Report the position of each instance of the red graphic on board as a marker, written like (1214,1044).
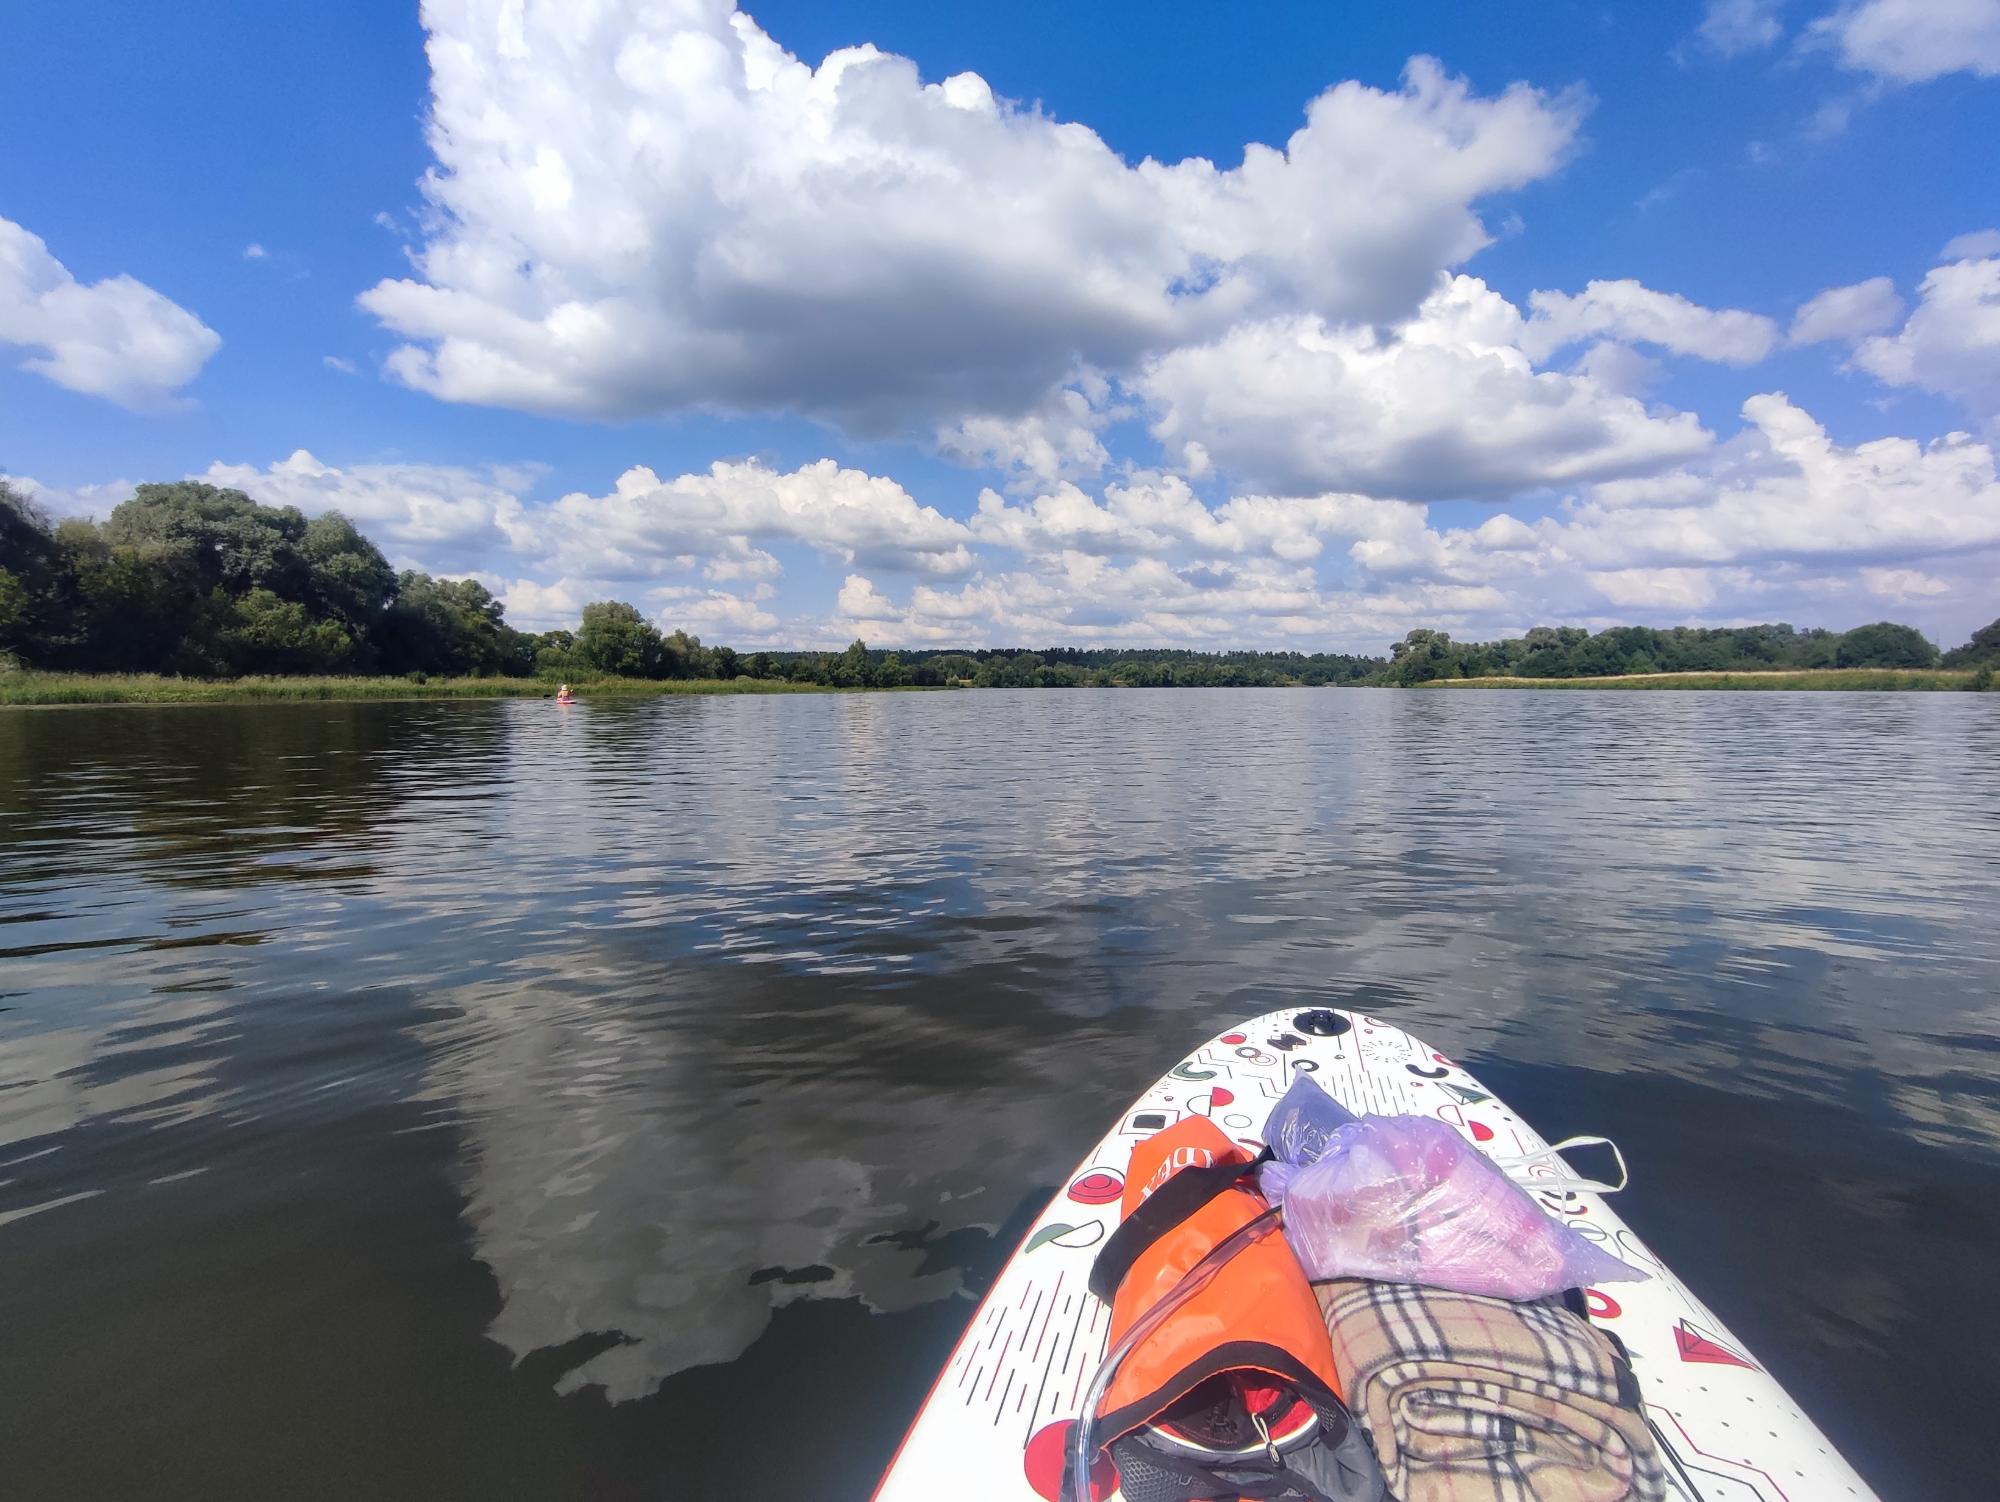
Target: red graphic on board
(1232,1037)
(1098,1187)
(1697,1345)
(1481,1132)
(1213,1101)
(1044,1459)
(1601,1304)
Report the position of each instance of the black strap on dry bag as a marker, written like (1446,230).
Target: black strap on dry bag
(1158,1213)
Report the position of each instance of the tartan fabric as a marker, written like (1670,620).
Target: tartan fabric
(1470,1399)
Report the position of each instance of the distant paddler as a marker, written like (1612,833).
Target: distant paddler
(564,696)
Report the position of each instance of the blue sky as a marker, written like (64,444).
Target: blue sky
(913,346)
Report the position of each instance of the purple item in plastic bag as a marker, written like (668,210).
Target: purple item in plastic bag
(1406,1199)
(1303,1123)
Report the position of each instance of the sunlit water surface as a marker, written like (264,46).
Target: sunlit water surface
(466,1100)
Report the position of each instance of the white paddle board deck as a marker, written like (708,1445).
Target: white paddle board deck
(992,1426)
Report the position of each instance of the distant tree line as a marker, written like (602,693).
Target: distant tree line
(1062,667)
(196,580)
(1571,652)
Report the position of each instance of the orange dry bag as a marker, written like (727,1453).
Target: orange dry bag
(1236,1388)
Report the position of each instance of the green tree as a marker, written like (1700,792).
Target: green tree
(122,614)
(1421,656)
(850,669)
(550,654)
(760,666)
(615,638)
(201,579)
(13,610)
(1008,670)
(1982,651)
(33,582)
(210,537)
(264,633)
(1885,645)
(685,657)
(348,579)
(1543,654)
(447,627)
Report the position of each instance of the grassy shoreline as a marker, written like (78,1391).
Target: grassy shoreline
(31,690)
(49,690)
(1867,679)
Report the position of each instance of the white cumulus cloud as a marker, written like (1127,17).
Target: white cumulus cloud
(646,207)
(1782,522)
(860,600)
(1790,493)
(723,618)
(440,517)
(1447,404)
(1737,26)
(645,527)
(1057,440)
(1974,246)
(96,500)
(117,338)
(1848,314)
(1910,41)
(1638,314)
(1154,514)
(718,523)
(1904,584)
(1951,343)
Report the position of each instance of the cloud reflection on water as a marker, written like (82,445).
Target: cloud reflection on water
(732,1003)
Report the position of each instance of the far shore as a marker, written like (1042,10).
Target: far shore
(42,690)
(25,690)
(1865,679)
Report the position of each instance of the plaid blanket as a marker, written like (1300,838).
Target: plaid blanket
(1470,1399)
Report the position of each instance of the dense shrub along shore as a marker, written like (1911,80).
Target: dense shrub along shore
(1847,679)
(191,592)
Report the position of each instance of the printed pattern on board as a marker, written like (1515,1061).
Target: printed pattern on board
(995,1423)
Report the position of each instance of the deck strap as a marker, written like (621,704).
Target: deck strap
(1157,1214)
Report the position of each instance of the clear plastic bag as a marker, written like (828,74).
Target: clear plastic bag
(1301,1126)
(1406,1199)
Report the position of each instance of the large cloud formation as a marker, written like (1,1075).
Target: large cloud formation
(117,338)
(652,208)
(1780,522)
(640,208)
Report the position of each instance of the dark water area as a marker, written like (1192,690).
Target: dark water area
(471,1100)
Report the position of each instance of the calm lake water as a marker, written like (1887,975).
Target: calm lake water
(467,1100)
